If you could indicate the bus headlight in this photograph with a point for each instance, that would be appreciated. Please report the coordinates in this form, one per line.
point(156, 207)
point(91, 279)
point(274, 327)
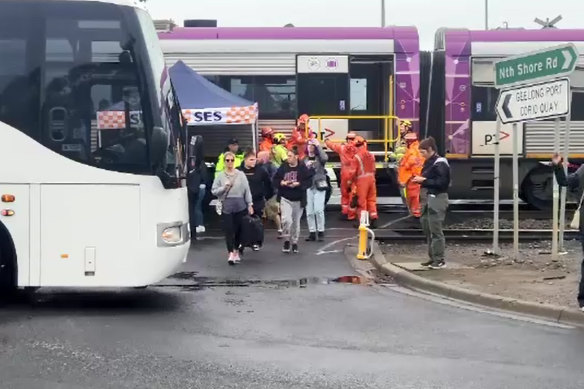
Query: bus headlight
point(172, 235)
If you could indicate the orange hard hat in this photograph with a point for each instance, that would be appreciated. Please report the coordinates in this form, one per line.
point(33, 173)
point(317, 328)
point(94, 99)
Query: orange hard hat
point(267, 131)
point(359, 140)
point(303, 118)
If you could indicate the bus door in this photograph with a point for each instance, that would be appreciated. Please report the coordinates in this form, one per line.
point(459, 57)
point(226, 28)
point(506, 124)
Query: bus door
point(369, 78)
point(323, 90)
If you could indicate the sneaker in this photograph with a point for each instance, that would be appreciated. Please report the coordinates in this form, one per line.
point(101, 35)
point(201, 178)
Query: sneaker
point(311, 237)
point(320, 235)
point(427, 263)
point(255, 247)
point(231, 259)
point(280, 232)
point(200, 229)
point(236, 258)
point(438, 265)
point(286, 248)
point(295, 248)
point(582, 309)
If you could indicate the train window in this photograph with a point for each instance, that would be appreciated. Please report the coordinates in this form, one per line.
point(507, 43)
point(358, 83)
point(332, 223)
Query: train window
point(323, 94)
point(275, 95)
point(577, 106)
point(358, 96)
point(484, 100)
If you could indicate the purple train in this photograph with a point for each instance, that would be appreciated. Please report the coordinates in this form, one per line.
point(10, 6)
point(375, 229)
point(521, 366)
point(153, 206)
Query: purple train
point(447, 93)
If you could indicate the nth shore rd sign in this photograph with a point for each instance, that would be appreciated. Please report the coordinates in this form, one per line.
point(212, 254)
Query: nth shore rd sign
point(535, 102)
point(553, 62)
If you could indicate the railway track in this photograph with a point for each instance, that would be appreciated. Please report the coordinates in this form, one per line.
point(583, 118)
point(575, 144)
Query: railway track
point(472, 235)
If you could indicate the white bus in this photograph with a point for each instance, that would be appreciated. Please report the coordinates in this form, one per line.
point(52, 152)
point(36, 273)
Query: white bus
point(92, 148)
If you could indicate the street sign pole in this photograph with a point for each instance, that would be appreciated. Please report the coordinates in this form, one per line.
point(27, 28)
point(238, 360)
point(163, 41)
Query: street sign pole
point(515, 193)
point(555, 195)
point(564, 192)
point(496, 250)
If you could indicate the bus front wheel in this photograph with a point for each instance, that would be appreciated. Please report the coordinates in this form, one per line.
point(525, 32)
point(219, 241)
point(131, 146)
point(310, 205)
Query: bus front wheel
point(7, 262)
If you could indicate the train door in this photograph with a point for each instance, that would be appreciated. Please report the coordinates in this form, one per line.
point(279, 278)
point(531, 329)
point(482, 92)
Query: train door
point(323, 90)
point(369, 78)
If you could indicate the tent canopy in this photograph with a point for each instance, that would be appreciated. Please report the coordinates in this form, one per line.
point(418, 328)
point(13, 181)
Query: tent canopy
point(204, 103)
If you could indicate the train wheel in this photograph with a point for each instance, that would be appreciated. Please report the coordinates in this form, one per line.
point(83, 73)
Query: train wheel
point(537, 188)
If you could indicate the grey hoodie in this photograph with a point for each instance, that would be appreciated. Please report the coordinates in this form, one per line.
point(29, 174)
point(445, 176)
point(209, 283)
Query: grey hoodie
point(317, 165)
point(238, 197)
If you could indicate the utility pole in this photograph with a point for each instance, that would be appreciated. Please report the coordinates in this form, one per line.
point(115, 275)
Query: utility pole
point(486, 14)
point(382, 13)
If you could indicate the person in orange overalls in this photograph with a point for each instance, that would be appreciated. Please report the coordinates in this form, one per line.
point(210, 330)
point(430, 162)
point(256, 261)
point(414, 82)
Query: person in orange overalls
point(346, 153)
point(267, 139)
point(298, 137)
point(364, 181)
point(411, 166)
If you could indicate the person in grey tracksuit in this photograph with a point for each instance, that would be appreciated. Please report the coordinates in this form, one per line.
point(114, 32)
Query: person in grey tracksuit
point(434, 180)
point(292, 179)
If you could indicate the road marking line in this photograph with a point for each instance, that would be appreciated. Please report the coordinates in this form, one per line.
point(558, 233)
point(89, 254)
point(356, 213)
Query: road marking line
point(395, 221)
point(323, 249)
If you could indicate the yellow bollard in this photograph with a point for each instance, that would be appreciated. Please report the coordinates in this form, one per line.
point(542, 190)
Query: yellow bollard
point(364, 235)
point(363, 238)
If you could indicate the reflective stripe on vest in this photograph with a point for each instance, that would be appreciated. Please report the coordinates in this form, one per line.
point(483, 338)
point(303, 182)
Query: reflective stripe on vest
point(363, 174)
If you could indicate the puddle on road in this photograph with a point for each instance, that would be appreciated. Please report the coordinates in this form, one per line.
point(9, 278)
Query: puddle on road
point(200, 282)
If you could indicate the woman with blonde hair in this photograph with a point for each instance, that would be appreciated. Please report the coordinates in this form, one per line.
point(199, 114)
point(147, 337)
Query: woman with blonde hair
point(232, 190)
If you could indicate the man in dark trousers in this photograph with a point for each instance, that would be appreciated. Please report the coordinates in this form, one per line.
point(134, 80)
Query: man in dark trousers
point(574, 181)
point(260, 184)
point(434, 180)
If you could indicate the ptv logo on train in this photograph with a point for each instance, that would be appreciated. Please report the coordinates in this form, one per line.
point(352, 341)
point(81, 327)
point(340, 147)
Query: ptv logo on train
point(490, 138)
point(484, 138)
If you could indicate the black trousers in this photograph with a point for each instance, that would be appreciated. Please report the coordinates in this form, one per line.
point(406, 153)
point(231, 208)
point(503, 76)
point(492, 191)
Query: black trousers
point(581, 286)
point(258, 207)
point(232, 227)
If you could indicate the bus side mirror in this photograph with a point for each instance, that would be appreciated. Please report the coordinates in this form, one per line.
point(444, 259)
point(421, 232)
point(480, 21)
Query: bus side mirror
point(159, 146)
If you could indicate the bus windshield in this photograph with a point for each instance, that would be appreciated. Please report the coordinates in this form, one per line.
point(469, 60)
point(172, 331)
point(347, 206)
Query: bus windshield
point(87, 80)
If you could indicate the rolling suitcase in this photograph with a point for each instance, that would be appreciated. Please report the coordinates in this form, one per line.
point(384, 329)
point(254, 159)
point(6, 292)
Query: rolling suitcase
point(252, 231)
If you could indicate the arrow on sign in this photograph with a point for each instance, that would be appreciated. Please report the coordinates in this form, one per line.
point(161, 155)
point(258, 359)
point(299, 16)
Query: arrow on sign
point(503, 135)
point(506, 106)
point(567, 59)
point(329, 133)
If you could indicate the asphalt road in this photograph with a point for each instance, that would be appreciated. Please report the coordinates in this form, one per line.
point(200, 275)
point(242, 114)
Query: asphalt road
point(276, 321)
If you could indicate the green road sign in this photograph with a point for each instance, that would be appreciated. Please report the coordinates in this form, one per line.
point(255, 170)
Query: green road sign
point(540, 65)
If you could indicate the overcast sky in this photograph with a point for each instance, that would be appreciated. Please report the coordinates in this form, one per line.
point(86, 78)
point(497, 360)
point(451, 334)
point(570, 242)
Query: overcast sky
point(427, 15)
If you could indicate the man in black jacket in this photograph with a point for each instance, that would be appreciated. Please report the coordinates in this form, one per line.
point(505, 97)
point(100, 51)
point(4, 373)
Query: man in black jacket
point(260, 184)
point(574, 181)
point(435, 180)
point(197, 183)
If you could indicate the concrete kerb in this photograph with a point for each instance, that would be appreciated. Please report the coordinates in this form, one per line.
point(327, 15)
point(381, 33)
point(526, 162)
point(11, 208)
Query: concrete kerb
point(549, 312)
